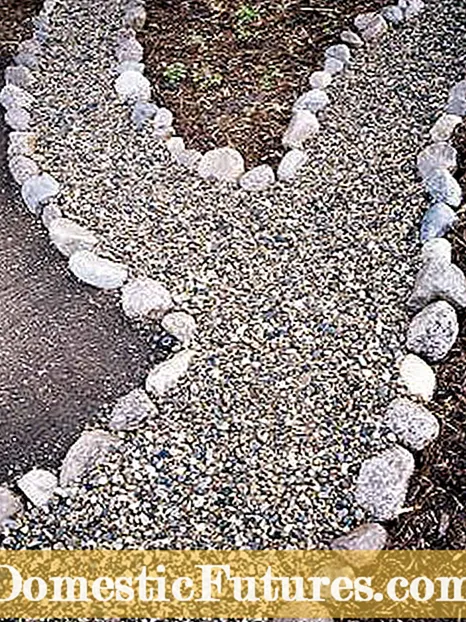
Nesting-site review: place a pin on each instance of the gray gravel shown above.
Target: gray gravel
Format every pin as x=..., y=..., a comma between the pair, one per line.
x=298, y=293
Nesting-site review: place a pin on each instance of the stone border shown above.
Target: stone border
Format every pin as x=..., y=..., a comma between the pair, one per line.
x=383, y=479
x=227, y=164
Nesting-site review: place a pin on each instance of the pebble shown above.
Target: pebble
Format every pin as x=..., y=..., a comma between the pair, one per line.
x=375, y=29
x=437, y=221
x=442, y=186
x=135, y=17
x=19, y=76
x=165, y=376
x=437, y=249
x=258, y=178
x=131, y=410
x=223, y=164
x=38, y=190
x=320, y=79
x=383, y=482
x=180, y=325
x=88, y=267
x=444, y=127
x=340, y=51
x=291, y=165
x=333, y=66
x=22, y=168
x=393, y=14
x=21, y=143
x=69, y=237
x=38, y=485
x=438, y=280
x=411, y=8
x=145, y=297
x=414, y=426
x=303, y=126
x=433, y=331
x=438, y=155
x=18, y=119
x=85, y=454
x=142, y=112
x=417, y=377
x=9, y=504
x=132, y=86
x=313, y=101
x=12, y=96
x=130, y=50
x=350, y=37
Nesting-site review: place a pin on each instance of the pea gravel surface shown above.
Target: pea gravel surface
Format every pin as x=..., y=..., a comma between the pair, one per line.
x=299, y=295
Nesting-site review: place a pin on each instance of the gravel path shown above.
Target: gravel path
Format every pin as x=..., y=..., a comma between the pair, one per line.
x=299, y=295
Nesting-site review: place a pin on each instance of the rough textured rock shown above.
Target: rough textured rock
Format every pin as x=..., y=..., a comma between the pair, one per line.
x=175, y=146
x=189, y=158
x=444, y=127
x=414, y=426
x=340, y=51
x=38, y=485
x=21, y=143
x=438, y=155
x=417, y=377
x=393, y=14
x=224, y=164
x=375, y=28
x=258, y=178
x=181, y=325
x=291, y=165
x=333, y=66
x=303, y=126
x=437, y=249
x=9, y=504
x=135, y=17
x=70, y=237
x=12, y=96
x=39, y=189
x=442, y=186
x=320, y=79
x=383, y=482
x=350, y=37
x=166, y=375
x=433, y=331
x=130, y=65
x=132, y=86
x=438, y=280
x=130, y=50
x=19, y=76
x=18, y=119
x=363, y=20
x=131, y=410
x=22, y=168
x=97, y=271
x=145, y=297
x=142, y=111
x=313, y=101
x=163, y=121
x=438, y=219
x=411, y=8
x=50, y=212
x=370, y=538
x=84, y=455
x=457, y=99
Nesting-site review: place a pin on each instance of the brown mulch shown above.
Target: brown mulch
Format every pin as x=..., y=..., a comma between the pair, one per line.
x=230, y=70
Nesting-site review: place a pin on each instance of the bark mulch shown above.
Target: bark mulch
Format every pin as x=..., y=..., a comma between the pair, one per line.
x=230, y=70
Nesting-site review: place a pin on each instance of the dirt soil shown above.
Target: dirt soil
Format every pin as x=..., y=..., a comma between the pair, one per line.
x=230, y=70
x=66, y=350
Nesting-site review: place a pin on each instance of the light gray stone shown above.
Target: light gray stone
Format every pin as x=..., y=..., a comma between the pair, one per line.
x=291, y=165
x=442, y=186
x=9, y=504
x=224, y=164
x=258, y=178
x=180, y=325
x=175, y=146
x=414, y=426
x=21, y=143
x=163, y=119
x=85, y=454
x=165, y=376
x=438, y=249
x=131, y=410
x=393, y=14
x=38, y=190
x=19, y=76
x=438, y=219
x=38, y=485
x=130, y=65
x=438, y=155
x=18, y=119
x=130, y=50
x=132, y=86
x=417, y=377
x=145, y=297
x=433, y=331
x=70, y=237
x=12, y=96
x=457, y=99
x=411, y=8
x=444, y=127
x=320, y=79
x=333, y=66
x=189, y=158
x=370, y=538
x=50, y=212
x=340, y=51
x=22, y=168
x=303, y=126
x=438, y=280
x=375, y=29
x=351, y=38
x=313, y=101
x=88, y=267
x=136, y=16
x=142, y=112
x=383, y=482
x=363, y=20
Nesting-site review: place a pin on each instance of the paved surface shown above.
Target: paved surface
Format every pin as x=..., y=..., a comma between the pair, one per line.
x=65, y=349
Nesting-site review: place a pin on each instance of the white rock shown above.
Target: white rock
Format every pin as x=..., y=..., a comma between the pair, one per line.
x=350, y=37
x=258, y=178
x=145, y=297
x=363, y=20
x=97, y=271
x=320, y=79
x=383, y=482
x=70, y=237
x=163, y=119
x=224, y=164
x=130, y=50
x=189, y=158
x=135, y=17
x=132, y=86
x=9, y=504
x=313, y=101
x=175, y=146
x=131, y=410
x=411, y=8
x=417, y=377
x=438, y=249
x=340, y=51
x=303, y=126
x=333, y=66
x=433, y=331
x=444, y=127
x=38, y=485
x=438, y=155
x=21, y=143
x=22, y=168
x=393, y=14
x=375, y=29
x=38, y=190
x=180, y=325
x=142, y=112
x=412, y=423
x=19, y=76
x=130, y=65
x=12, y=96
x=18, y=119
x=85, y=454
x=291, y=165
x=166, y=375
x=50, y=212
x=442, y=186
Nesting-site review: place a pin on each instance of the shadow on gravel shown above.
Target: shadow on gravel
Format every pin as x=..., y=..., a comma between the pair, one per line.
x=65, y=348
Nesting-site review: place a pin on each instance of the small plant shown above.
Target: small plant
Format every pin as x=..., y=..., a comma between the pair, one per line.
x=175, y=73
x=247, y=14
x=206, y=80
x=269, y=78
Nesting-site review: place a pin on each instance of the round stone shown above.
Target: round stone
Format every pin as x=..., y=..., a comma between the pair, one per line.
x=414, y=426
x=224, y=164
x=145, y=297
x=433, y=331
x=417, y=377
